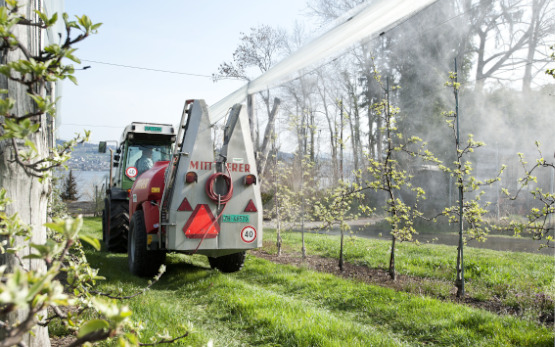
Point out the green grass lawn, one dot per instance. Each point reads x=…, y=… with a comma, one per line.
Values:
x=515, y=277
x=275, y=305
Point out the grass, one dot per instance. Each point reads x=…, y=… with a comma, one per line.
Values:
x=275, y=305
x=437, y=261
x=517, y=279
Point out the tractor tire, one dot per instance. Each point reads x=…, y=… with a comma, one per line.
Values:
x=116, y=239
x=228, y=263
x=105, y=221
x=142, y=262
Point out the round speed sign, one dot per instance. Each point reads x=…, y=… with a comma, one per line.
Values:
x=248, y=234
x=131, y=172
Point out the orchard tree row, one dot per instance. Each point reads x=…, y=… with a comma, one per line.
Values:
x=443, y=116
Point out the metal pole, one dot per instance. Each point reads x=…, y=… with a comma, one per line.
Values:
x=111, y=165
x=461, y=244
x=552, y=192
x=498, y=185
x=303, y=249
x=111, y=161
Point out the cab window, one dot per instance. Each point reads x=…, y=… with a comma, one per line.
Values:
x=150, y=154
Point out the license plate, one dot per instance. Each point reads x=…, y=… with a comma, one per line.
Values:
x=235, y=218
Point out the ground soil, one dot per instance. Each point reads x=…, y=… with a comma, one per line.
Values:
x=381, y=277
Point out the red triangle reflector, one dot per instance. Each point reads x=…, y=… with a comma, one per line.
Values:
x=185, y=206
x=250, y=207
x=201, y=224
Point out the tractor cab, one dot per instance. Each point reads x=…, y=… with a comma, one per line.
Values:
x=141, y=146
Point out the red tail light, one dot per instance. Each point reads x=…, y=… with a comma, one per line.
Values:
x=191, y=177
x=249, y=179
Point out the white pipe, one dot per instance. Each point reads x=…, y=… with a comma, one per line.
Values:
x=374, y=18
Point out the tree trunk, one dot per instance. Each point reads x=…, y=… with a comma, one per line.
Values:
x=392, y=258
x=354, y=122
x=28, y=196
x=303, y=248
x=341, y=259
x=353, y=142
x=312, y=130
x=276, y=201
x=459, y=280
x=534, y=29
x=341, y=142
x=480, y=64
x=371, y=150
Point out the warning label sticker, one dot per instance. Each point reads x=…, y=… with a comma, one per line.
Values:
x=248, y=234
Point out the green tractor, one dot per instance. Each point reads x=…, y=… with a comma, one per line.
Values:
x=141, y=145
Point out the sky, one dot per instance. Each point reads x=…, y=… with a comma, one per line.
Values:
x=185, y=37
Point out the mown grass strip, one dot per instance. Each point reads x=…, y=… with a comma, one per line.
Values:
x=171, y=304
x=269, y=304
x=279, y=319
x=418, y=319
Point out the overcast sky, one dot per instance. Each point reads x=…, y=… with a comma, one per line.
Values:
x=186, y=37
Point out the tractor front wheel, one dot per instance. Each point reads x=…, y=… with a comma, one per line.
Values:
x=142, y=262
x=228, y=263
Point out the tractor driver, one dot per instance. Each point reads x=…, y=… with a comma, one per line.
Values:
x=145, y=161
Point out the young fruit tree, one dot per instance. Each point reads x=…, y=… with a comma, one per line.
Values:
x=539, y=221
x=334, y=207
x=390, y=176
x=469, y=210
x=286, y=207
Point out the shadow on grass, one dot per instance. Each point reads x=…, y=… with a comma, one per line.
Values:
x=181, y=270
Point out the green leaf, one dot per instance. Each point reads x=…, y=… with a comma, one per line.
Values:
x=92, y=326
x=59, y=227
x=33, y=256
x=95, y=26
x=37, y=287
x=42, y=16
x=72, y=79
x=91, y=241
x=53, y=20
x=31, y=144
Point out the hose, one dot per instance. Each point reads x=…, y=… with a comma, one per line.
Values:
x=221, y=199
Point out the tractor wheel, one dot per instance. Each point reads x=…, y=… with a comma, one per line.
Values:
x=228, y=263
x=116, y=239
x=142, y=262
x=105, y=221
